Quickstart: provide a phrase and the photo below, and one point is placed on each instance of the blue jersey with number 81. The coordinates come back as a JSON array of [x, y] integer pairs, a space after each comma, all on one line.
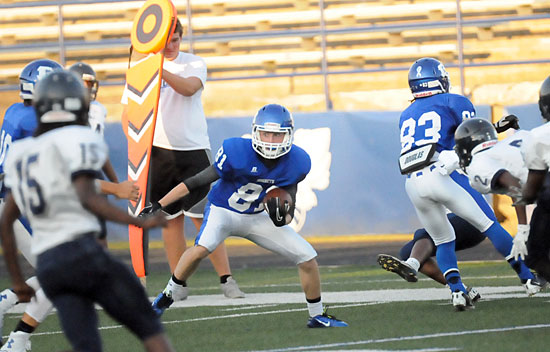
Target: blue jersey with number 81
[[433, 120], [244, 178]]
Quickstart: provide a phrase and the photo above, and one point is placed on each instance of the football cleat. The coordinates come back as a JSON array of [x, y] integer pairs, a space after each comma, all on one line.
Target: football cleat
[[395, 265], [161, 303], [535, 285], [17, 342], [325, 321], [473, 294], [8, 299], [461, 301], [231, 290]]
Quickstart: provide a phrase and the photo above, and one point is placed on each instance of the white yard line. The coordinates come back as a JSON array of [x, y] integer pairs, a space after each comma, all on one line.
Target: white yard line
[[379, 296], [409, 338], [337, 299]]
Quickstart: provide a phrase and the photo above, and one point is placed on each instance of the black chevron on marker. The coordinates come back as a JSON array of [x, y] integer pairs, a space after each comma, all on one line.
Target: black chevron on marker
[[137, 91], [136, 167], [132, 207], [138, 130]]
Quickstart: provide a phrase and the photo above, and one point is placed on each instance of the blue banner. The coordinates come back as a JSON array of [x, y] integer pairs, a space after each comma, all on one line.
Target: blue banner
[[354, 186]]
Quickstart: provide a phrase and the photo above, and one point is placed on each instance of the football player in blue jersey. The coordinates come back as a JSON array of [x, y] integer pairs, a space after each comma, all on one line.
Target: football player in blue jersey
[[246, 169], [427, 132], [20, 122]]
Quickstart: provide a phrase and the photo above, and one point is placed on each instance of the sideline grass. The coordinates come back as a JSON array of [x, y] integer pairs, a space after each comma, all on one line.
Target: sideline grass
[[507, 324]]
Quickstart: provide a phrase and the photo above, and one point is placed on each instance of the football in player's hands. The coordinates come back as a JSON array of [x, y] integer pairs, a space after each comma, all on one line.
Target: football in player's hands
[[278, 204]]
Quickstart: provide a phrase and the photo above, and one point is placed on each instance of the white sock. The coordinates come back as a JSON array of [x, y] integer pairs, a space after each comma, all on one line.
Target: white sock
[[33, 282], [8, 299], [315, 308], [415, 264]]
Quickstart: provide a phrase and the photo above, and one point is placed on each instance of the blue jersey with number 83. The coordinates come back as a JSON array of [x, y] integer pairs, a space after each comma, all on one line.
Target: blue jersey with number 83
[[433, 120]]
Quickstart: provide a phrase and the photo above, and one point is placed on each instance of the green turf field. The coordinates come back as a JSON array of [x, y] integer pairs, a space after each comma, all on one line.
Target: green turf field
[[385, 313]]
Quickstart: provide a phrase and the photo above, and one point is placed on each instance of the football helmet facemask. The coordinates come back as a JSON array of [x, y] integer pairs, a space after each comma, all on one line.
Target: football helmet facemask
[[427, 76], [473, 136], [32, 73], [272, 118], [61, 97], [544, 99], [88, 75]]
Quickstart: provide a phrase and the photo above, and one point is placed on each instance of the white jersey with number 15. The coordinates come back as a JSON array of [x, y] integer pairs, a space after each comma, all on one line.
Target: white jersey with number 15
[[39, 173]]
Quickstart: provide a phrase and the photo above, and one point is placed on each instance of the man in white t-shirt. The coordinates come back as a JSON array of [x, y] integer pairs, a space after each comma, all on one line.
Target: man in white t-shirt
[[181, 148]]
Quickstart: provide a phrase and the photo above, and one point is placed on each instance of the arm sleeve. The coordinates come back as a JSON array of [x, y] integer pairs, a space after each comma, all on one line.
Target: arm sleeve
[[204, 177], [534, 149], [197, 68]]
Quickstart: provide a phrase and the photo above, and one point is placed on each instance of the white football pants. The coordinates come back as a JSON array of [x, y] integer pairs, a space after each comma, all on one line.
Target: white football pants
[[23, 239], [432, 192], [40, 306], [220, 223]]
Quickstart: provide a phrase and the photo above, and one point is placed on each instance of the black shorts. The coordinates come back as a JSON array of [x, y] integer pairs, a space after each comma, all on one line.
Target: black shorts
[[168, 169], [538, 244], [76, 274]]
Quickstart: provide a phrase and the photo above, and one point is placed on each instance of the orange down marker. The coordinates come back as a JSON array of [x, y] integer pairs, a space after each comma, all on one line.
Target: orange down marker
[[153, 27]]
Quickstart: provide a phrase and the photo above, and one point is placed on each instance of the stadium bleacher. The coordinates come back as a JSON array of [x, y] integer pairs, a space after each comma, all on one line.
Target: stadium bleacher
[[245, 39]]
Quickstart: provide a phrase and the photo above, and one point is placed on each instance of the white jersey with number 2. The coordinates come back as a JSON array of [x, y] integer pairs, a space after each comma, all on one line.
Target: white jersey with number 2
[[505, 155]]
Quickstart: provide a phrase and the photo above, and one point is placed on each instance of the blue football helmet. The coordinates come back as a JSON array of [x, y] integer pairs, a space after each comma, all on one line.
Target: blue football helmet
[[32, 73], [427, 76], [272, 118]]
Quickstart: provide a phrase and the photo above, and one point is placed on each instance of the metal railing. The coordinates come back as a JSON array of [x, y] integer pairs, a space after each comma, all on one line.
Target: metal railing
[[62, 45]]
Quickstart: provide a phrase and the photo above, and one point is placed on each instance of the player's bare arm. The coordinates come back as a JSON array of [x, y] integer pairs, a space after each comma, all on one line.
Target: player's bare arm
[[535, 179], [11, 213], [95, 203], [123, 190], [186, 86], [110, 171], [505, 182]]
